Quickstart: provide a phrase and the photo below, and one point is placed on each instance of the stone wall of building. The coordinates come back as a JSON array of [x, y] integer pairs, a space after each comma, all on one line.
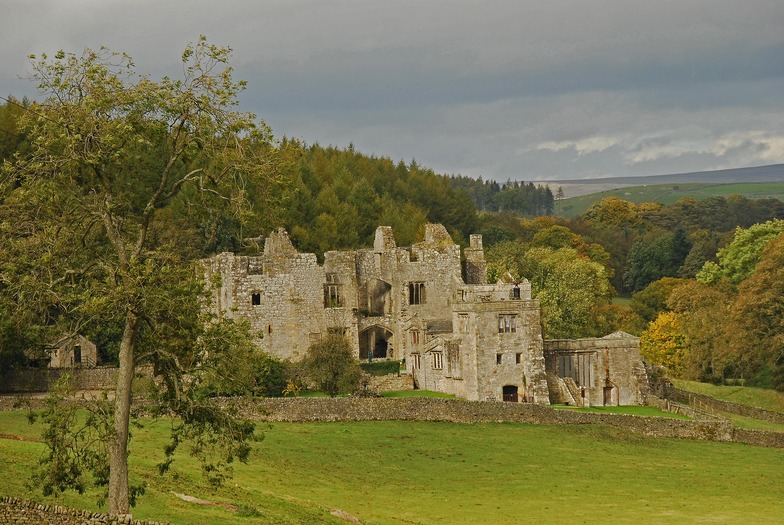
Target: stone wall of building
[[606, 370], [23, 512]]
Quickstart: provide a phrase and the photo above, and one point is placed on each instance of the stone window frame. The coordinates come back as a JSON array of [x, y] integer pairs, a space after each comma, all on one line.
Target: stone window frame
[[499, 358], [507, 323], [437, 360], [462, 323], [417, 361], [414, 337], [255, 299], [416, 292], [518, 358]]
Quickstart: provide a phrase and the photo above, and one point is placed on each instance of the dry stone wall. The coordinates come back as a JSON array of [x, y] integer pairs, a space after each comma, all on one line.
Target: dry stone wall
[[692, 398], [40, 379], [459, 411], [19, 511]]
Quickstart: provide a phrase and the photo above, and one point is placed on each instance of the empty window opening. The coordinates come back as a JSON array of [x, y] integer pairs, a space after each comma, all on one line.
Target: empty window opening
[[416, 293], [515, 293], [499, 358], [78, 354], [255, 299], [518, 358], [379, 298], [269, 329], [507, 323], [332, 296]]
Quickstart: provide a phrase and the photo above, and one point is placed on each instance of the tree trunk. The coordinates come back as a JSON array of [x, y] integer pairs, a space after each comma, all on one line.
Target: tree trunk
[[118, 443]]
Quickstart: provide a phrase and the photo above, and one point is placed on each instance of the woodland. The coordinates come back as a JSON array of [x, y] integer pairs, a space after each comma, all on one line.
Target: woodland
[[332, 198]]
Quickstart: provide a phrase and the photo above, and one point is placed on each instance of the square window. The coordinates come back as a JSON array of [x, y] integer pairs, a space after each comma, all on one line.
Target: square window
[[507, 323]]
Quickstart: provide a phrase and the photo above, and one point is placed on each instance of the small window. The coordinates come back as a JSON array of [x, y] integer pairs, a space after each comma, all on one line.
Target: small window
[[414, 337], [515, 293], [255, 299], [507, 323], [438, 361], [417, 361], [518, 358], [416, 293], [499, 358], [269, 329]]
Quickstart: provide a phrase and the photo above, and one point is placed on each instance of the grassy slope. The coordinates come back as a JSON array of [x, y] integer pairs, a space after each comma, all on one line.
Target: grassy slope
[[669, 193], [745, 395], [414, 472]]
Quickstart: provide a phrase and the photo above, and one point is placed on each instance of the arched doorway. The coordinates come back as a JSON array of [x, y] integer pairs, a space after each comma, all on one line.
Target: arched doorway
[[510, 394], [375, 343]]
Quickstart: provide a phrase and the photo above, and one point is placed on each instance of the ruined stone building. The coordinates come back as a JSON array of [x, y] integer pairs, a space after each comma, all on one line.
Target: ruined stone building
[[430, 306]]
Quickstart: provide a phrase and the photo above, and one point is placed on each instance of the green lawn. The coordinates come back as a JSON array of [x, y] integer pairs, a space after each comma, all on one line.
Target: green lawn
[[390, 472]]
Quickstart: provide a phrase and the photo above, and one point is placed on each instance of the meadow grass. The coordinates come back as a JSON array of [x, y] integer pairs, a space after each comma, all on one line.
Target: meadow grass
[[394, 472]]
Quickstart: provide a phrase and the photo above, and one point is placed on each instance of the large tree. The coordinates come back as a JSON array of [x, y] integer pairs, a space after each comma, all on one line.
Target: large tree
[[92, 220]]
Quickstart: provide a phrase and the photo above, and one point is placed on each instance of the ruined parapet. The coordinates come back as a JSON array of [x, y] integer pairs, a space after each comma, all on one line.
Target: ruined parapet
[[436, 235], [385, 240], [475, 266], [278, 244]]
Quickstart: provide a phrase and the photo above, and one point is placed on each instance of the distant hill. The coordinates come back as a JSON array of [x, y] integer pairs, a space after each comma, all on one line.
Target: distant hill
[[577, 187]]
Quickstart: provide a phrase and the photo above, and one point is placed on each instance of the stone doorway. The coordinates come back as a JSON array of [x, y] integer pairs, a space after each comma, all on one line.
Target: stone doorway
[[375, 343], [510, 394]]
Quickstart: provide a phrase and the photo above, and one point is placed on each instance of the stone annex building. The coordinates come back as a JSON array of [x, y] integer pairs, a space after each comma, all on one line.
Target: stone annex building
[[457, 333]]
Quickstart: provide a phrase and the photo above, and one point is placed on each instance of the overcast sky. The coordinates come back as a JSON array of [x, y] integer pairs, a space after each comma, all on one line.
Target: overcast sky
[[518, 89]]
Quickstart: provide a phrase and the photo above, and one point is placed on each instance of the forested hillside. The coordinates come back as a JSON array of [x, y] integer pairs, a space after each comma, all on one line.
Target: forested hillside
[[517, 197], [698, 312]]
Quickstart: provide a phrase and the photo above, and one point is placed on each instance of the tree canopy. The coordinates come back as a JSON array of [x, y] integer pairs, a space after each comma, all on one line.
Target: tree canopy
[[92, 222]]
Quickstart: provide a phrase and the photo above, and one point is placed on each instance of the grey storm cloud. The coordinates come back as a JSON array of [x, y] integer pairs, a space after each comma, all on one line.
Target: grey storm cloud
[[522, 89]]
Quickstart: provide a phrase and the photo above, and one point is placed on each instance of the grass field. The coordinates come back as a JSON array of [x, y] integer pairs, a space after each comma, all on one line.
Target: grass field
[[440, 473], [669, 193]]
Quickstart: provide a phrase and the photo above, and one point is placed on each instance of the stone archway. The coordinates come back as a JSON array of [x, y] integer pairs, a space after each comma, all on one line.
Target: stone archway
[[375, 343]]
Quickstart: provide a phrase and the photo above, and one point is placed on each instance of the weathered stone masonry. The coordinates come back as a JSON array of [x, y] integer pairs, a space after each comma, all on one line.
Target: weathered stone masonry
[[457, 333]]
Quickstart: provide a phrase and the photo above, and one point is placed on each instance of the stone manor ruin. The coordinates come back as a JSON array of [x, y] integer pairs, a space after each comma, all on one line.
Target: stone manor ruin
[[457, 333]]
